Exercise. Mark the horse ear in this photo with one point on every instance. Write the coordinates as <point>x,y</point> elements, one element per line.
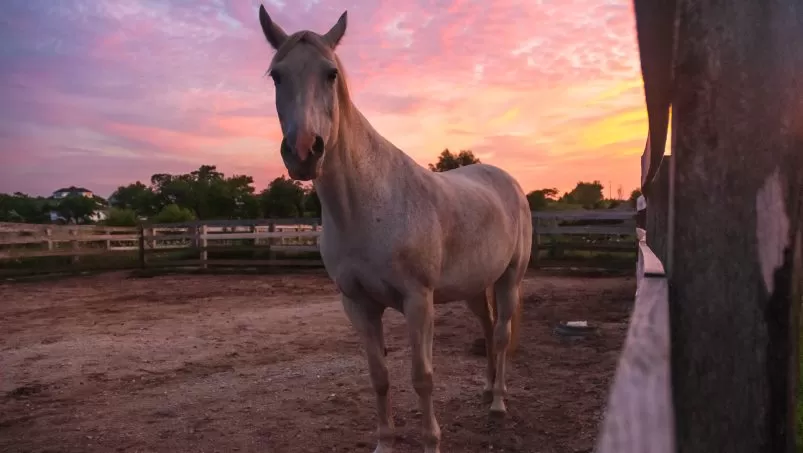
<point>273,33</point>
<point>334,35</point>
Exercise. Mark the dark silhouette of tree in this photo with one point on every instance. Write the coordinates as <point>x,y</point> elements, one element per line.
<point>312,204</point>
<point>174,213</point>
<point>449,161</point>
<point>208,193</point>
<point>136,197</point>
<point>540,199</point>
<point>76,208</point>
<point>586,194</point>
<point>19,207</point>
<point>283,197</point>
<point>121,217</point>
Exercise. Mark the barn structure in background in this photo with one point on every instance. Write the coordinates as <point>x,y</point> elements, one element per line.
<point>719,311</point>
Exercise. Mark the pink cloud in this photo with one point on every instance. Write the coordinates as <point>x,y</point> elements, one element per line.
<point>550,91</point>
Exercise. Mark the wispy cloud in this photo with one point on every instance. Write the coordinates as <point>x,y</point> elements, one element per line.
<point>103,92</point>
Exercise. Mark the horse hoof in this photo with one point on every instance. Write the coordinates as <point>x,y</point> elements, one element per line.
<point>498,409</point>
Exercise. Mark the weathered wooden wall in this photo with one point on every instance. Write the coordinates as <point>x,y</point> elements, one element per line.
<point>734,279</point>
<point>732,73</point>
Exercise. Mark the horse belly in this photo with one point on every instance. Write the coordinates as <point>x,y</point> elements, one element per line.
<point>469,278</point>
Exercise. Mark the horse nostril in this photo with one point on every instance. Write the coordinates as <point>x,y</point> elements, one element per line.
<point>317,145</point>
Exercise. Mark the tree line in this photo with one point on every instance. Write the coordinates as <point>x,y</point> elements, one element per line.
<point>207,194</point>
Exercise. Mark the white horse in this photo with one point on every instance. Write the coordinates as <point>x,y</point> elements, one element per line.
<point>396,234</point>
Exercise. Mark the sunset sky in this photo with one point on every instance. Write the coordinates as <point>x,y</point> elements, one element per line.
<point>100,93</point>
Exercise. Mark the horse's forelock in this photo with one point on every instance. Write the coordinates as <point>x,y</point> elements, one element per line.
<point>304,36</point>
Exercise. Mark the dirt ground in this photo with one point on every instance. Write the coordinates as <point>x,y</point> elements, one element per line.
<point>269,363</point>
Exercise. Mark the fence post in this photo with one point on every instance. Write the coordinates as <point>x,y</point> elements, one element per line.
<point>142,259</point>
<point>254,251</point>
<point>49,234</point>
<point>271,241</point>
<point>204,245</point>
<point>106,232</point>
<point>535,253</point>
<point>74,246</point>
<point>736,253</point>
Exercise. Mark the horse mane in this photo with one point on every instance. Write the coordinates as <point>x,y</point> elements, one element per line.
<point>345,106</point>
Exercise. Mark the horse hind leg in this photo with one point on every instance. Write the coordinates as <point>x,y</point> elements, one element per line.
<point>482,307</point>
<point>507,292</point>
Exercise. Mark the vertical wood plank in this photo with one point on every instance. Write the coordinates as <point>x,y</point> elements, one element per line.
<point>204,243</point>
<point>738,155</point>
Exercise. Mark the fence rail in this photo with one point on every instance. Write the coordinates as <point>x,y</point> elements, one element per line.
<point>217,242</point>
<point>642,381</point>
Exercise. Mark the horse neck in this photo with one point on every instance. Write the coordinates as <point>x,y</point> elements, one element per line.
<point>356,171</point>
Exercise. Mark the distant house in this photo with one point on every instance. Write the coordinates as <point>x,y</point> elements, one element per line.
<point>100,214</point>
<point>72,190</point>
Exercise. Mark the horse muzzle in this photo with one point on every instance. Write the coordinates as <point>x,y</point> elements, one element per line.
<point>304,165</point>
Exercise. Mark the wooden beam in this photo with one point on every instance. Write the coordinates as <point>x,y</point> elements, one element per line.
<point>585,214</point>
<point>588,229</point>
<point>639,416</point>
<point>61,237</point>
<point>204,264</point>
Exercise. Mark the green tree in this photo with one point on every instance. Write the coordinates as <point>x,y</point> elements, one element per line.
<point>540,199</point>
<point>121,217</point>
<point>312,204</point>
<point>136,197</point>
<point>174,213</point>
<point>19,207</point>
<point>283,198</point>
<point>208,193</point>
<point>232,198</point>
<point>586,194</point>
<point>449,161</point>
<point>76,208</point>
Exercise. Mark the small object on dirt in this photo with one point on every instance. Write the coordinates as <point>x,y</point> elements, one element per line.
<point>573,329</point>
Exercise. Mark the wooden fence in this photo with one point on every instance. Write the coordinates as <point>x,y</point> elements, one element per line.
<point>642,384</point>
<point>710,362</point>
<point>266,242</point>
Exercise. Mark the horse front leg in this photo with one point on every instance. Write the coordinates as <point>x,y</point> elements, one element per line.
<point>420,315</point>
<point>367,321</point>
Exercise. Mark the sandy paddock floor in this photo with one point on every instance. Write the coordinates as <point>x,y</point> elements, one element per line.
<point>269,363</point>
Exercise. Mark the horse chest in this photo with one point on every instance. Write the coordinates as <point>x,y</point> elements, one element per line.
<point>361,283</point>
<point>336,247</point>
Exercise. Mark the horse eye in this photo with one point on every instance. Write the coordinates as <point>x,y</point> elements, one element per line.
<point>331,75</point>
<point>275,76</point>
